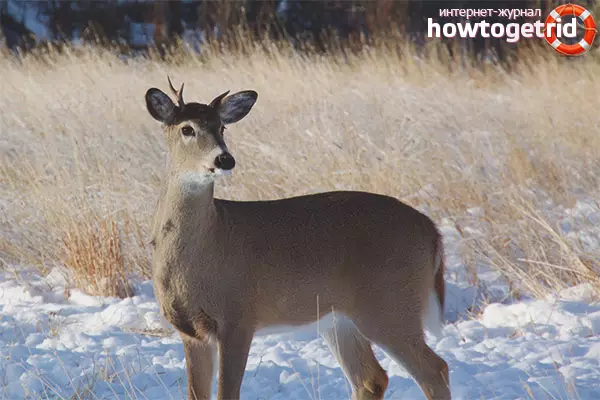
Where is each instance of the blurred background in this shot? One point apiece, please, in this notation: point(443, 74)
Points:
point(137, 25)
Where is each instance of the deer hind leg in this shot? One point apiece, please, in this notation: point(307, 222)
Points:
point(355, 355)
point(200, 365)
point(427, 368)
point(404, 341)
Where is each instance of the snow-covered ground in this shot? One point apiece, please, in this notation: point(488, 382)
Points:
point(109, 348)
point(57, 342)
point(53, 346)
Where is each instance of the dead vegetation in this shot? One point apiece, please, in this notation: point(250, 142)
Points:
point(504, 156)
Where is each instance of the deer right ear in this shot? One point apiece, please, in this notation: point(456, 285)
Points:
point(235, 107)
point(159, 105)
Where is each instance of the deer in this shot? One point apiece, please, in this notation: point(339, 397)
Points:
point(224, 271)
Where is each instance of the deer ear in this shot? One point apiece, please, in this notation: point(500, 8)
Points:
point(159, 105)
point(235, 107)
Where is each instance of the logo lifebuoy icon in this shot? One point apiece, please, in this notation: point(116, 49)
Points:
point(588, 23)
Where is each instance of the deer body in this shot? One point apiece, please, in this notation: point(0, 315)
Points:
point(225, 270)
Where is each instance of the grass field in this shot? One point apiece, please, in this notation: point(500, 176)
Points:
point(501, 155)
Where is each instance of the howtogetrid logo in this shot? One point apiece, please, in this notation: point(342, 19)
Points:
point(560, 29)
point(553, 28)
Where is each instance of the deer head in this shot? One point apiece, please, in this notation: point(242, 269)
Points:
point(194, 131)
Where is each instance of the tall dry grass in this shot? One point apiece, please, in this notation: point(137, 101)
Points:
point(500, 155)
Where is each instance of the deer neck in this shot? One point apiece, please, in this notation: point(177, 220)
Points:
point(189, 198)
point(185, 227)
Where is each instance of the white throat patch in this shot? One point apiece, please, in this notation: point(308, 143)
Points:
point(223, 172)
point(195, 182)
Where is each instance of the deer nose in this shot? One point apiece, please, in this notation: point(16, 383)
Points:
point(225, 161)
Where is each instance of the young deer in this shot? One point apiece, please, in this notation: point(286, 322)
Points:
point(226, 270)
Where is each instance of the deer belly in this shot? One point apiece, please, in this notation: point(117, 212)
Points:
point(326, 323)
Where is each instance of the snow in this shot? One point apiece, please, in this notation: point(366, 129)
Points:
point(54, 345)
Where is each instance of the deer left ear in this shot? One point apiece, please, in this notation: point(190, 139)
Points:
point(235, 107)
point(159, 105)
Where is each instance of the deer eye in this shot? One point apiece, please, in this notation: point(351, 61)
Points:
point(187, 131)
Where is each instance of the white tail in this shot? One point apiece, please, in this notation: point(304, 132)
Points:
point(434, 317)
point(225, 270)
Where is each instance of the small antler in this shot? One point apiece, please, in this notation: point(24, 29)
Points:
point(178, 93)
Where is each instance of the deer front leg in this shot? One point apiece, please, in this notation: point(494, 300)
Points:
point(234, 345)
point(199, 359)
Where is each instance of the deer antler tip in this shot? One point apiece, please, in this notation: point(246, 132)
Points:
point(178, 93)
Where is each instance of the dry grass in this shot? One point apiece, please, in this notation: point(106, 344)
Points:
point(94, 256)
point(82, 160)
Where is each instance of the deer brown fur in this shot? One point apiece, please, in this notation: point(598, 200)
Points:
point(225, 270)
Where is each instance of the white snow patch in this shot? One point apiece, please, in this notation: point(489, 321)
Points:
point(99, 344)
